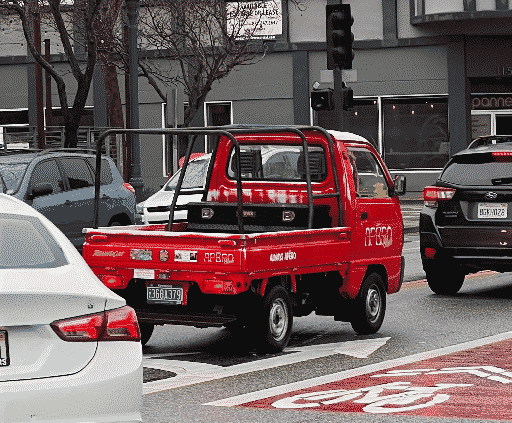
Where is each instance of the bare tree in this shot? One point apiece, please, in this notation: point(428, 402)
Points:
point(81, 24)
point(203, 40)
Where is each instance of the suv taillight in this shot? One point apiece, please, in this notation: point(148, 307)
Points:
point(119, 324)
point(431, 195)
point(129, 187)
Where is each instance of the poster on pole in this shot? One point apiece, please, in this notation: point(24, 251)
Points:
point(255, 19)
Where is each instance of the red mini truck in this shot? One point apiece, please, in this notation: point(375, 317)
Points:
point(293, 220)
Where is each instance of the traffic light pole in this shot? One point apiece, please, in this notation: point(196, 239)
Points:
point(333, 119)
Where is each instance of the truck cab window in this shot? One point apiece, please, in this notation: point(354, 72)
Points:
point(370, 182)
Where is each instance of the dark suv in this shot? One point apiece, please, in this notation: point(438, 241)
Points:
point(466, 223)
point(60, 185)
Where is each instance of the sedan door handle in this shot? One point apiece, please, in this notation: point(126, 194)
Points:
point(364, 216)
point(67, 203)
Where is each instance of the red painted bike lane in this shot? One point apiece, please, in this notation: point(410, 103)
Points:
point(470, 380)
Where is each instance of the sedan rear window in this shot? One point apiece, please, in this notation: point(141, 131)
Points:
point(26, 243)
point(478, 169)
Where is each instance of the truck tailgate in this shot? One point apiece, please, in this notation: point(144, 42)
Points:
point(206, 258)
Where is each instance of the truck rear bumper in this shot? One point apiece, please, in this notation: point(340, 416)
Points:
point(188, 319)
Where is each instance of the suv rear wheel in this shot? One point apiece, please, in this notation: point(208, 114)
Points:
point(444, 281)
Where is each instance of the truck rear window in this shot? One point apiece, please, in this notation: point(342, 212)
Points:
point(278, 163)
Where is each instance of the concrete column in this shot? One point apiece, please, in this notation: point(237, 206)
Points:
point(459, 96)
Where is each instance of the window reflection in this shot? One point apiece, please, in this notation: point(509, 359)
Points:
point(415, 132)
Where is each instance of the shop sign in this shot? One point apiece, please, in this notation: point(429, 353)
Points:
point(491, 101)
point(255, 19)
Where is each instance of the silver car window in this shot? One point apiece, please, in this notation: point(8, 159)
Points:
point(12, 174)
point(47, 172)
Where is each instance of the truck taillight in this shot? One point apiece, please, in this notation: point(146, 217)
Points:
point(112, 281)
point(119, 324)
point(431, 195)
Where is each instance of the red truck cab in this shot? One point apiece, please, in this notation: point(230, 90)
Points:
point(293, 220)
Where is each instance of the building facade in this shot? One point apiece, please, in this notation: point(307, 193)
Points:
point(431, 76)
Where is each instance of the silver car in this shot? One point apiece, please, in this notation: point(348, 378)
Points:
point(60, 185)
point(69, 347)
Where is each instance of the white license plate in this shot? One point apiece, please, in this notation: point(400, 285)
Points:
point(165, 294)
point(4, 349)
point(492, 210)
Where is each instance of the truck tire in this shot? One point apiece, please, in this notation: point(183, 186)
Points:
point(369, 306)
point(146, 330)
point(443, 281)
point(275, 323)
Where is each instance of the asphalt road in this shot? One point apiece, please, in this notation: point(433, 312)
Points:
point(210, 365)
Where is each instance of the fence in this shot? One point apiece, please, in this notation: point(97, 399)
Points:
point(26, 137)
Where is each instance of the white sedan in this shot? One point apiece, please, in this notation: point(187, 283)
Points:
point(69, 347)
point(155, 209)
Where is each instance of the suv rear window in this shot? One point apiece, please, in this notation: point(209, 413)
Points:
point(26, 243)
point(477, 169)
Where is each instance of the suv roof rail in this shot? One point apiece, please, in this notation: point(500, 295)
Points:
point(68, 150)
point(490, 140)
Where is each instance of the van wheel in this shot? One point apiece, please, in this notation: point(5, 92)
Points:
point(369, 306)
point(443, 281)
point(146, 330)
point(275, 323)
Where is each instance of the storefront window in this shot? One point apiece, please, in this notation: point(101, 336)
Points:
point(416, 132)
point(363, 119)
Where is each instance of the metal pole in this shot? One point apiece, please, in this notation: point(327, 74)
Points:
point(39, 82)
point(136, 180)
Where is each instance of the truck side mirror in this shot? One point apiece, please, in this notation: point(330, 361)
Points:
point(400, 185)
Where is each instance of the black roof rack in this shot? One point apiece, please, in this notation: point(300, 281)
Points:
point(490, 140)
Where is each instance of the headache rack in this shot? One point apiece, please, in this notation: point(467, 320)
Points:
point(245, 163)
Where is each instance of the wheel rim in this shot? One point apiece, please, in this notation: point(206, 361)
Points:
point(278, 319)
point(373, 303)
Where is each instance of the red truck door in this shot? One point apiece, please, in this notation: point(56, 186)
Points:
point(378, 224)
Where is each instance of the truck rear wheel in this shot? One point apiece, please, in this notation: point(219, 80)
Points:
point(146, 330)
point(370, 306)
point(275, 325)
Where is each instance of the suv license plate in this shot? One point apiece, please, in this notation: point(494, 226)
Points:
point(4, 349)
point(492, 210)
point(165, 294)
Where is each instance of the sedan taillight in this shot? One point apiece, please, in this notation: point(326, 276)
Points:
point(119, 324)
point(431, 195)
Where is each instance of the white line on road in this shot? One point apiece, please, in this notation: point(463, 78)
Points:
point(346, 374)
point(192, 373)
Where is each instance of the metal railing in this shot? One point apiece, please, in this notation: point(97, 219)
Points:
point(26, 137)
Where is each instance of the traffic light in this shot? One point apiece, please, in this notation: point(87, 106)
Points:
point(348, 98)
point(339, 36)
point(322, 100)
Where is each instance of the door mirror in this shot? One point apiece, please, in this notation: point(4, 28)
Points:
point(40, 190)
point(399, 184)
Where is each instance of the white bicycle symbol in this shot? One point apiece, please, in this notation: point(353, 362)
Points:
point(410, 397)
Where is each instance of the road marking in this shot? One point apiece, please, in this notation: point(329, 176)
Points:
point(351, 373)
point(189, 373)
